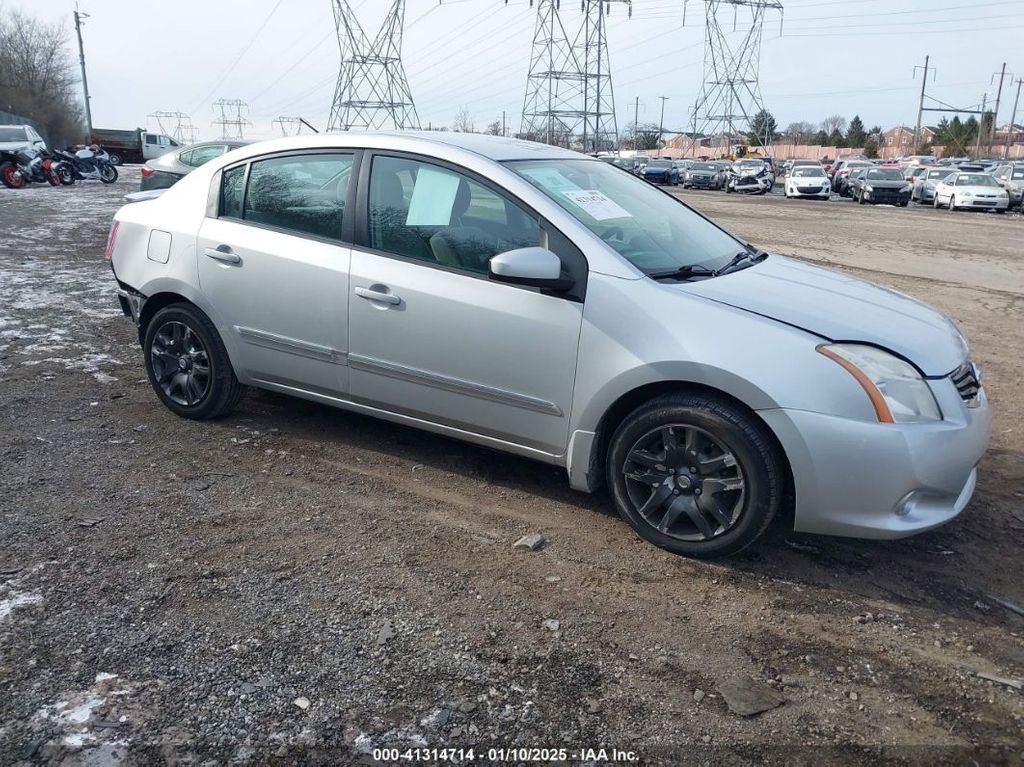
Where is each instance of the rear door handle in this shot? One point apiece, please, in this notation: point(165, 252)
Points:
point(377, 295)
point(223, 253)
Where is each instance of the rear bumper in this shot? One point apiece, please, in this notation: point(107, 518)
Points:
point(882, 481)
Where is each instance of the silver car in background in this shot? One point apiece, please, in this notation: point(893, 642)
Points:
point(542, 303)
point(924, 188)
point(166, 170)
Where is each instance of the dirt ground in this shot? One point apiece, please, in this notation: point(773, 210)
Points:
point(300, 584)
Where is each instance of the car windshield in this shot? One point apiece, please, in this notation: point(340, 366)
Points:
point(703, 166)
point(652, 230)
point(804, 171)
point(659, 164)
point(938, 173)
point(11, 133)
point(884, 174)
point(975, 179)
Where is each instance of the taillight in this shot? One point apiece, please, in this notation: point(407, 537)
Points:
point(109, 252)
point(147, 171)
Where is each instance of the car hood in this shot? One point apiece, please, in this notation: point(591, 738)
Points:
point(14, 146)
point(657, 170)
point(839, 307)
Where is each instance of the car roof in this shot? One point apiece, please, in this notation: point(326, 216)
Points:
point(496, 148)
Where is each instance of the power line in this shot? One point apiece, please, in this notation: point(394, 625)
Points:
point(228, 120)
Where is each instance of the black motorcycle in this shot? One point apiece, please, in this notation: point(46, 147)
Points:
point(21, 166)
point(85, 165)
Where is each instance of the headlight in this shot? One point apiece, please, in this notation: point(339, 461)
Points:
point(966, 194)
point(868, 188)
point(897, 391)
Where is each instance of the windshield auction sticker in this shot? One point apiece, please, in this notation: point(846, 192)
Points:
point(597, 205)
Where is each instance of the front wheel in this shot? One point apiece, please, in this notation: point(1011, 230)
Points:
point(695, 474)
point(11, 177)
point(952, 204)
point(108, 174)
point(187, 364)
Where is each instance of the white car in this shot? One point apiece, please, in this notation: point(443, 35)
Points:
point(15, 137)
point(808, 181)
point(971, 191)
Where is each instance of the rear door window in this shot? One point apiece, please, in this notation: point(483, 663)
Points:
point(304, 194)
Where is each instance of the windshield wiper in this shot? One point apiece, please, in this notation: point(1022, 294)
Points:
point(683, 272)
point(753, 255)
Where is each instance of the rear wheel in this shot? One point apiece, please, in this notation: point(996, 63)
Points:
point(187, 364)
point(695, 474)
point(115, 158)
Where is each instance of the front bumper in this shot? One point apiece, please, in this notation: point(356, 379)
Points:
point(975, 203)
point(887, 197)
point(809, 191)
point(883, 481)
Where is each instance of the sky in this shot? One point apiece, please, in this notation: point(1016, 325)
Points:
point(281, 56)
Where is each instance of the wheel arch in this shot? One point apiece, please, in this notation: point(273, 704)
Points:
point(629, 400)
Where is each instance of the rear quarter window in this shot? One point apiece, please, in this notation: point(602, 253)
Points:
point(231, 186)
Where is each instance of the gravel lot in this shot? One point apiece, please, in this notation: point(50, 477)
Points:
point(297, 583)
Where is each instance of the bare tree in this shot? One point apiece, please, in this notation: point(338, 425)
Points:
point(834, 123)
point(800, 132)
point(495, 129)
point(463, 122)
point(37, 76)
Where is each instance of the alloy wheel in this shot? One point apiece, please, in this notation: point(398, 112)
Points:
point(180, 363)
point(685, 483)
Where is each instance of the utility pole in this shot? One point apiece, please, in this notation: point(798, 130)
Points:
point(503, 123)
point(661, 123)
point(81, 58)
point(995, 115)
point(920, 106)
point(981, 124)
point(1013, 120)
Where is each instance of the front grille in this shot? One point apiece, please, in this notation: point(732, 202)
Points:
point(886, 195)
point(810, 189)
point(967, 381)
point(984, 203)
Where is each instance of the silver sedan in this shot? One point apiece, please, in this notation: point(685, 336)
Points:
point(167, 169)
point(543, 303)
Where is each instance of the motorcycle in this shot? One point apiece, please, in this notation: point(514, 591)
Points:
point(21, 166)
point(759, 181)
point(85, 165)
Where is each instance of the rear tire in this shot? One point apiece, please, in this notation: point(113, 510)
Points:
point(695, 474)
point(188, 365)
point(115, 159)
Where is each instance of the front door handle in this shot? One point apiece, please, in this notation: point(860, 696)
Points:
point(223, 253)
point(377, 295)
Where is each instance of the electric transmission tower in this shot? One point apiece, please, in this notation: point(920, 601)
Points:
point(184, 132)
point(227, 121)
point(569, 98)
point(731, 93)
point(372, 91)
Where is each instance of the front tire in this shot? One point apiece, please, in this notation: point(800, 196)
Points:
point(108, 174)
point(11, 176)
point(952, 204)
point(695, 474)
point(188, 365)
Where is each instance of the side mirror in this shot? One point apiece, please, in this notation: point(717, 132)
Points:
point(537, 267)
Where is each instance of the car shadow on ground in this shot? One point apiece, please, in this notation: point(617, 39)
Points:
point(946, 572)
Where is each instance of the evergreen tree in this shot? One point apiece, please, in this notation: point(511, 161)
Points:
point(836, 138)
point(821, 138)
point(855, 134)
point(763, 128)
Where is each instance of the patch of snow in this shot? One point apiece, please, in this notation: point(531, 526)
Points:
point(18, 599)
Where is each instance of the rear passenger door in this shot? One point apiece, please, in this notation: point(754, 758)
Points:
point(431, 336)
point(273, 265)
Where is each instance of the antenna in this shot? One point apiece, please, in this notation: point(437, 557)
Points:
point(372, 91)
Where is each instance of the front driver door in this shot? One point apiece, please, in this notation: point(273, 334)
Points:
point(272, 264)
point(431, 336)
